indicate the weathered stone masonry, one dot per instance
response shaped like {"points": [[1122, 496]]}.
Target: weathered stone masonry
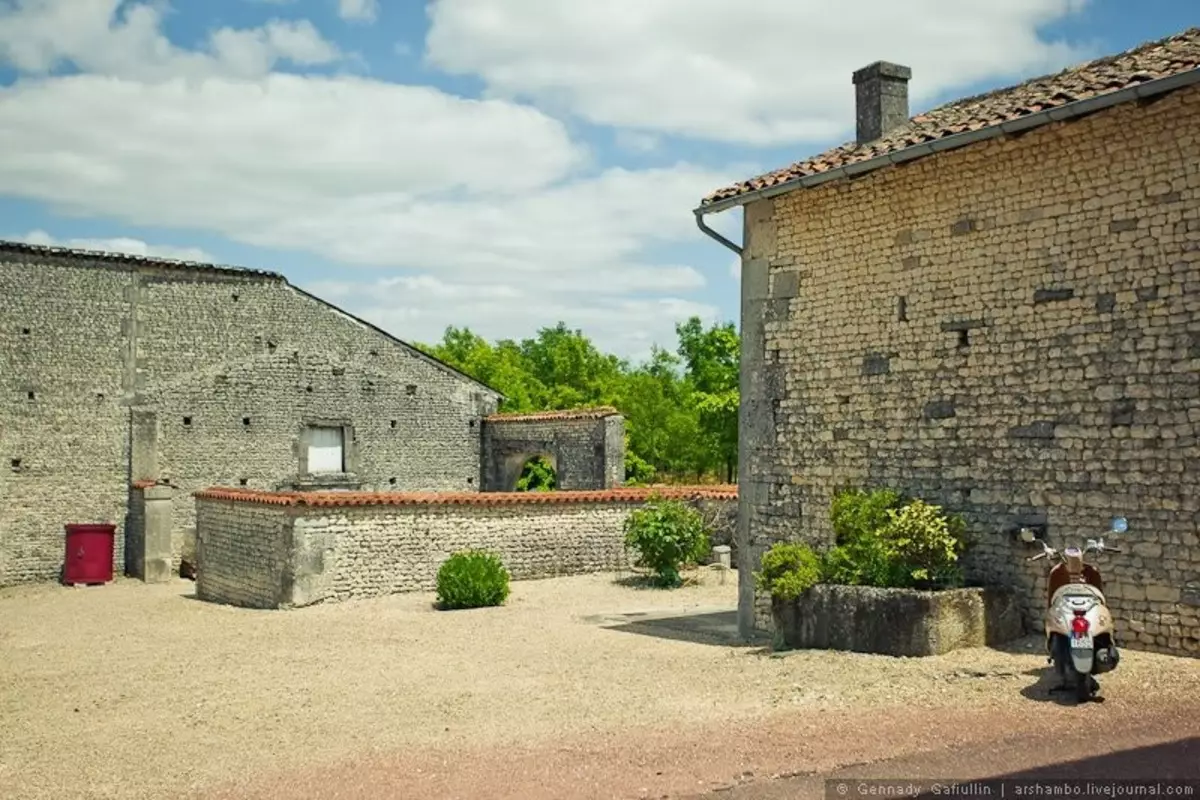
{"points": [[1011, 329], [115, 369], [585, 446], [277, 550]]}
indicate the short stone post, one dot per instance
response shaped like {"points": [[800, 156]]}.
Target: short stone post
{"points": [[157, 556], [724, 559]]}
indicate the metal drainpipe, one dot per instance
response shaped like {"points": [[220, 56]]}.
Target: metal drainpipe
{"points": [[700, 223]]}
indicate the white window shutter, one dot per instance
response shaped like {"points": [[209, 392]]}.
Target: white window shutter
{"points": [[326, 450]]}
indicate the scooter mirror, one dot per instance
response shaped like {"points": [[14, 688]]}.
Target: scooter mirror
{"points": [[1119, 525], [1027, 535]]}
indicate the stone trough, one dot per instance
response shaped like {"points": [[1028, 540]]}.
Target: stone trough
{"points": [[897, 622]]}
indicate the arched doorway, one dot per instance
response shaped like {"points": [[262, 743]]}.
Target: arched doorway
{"points": [[537, 475]]}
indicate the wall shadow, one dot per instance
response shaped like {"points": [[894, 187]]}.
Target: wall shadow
{"points": [[1169, 761], [713, 628]]}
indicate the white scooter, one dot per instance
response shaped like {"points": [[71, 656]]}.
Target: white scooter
{"points": [[1080, 636]]}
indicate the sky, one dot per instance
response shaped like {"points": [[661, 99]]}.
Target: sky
{"points": [[501, 165]]}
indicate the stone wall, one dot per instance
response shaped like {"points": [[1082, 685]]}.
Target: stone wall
{"points": [[243, 549], [1011, 330], [115, 369], [284, 549], [585, 446]]}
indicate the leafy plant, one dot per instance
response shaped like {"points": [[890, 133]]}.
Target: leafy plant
{"points": [[865, 562], [857, 514], [883, 540], [925, 543], [472, 579], [788, 570], [666, 535]]}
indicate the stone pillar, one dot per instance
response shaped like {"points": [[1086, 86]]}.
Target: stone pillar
{"points": [[756, 421], [155, 556]]}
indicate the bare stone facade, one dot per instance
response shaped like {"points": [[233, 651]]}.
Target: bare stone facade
{"points": [[116, 370], [585, 446], [279, 550], [1011, 329]]}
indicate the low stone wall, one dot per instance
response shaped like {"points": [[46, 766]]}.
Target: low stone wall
{"points": [[291, 549], [898, 622]]}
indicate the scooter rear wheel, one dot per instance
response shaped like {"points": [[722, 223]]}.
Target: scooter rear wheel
{"points": [[1082, 685]]}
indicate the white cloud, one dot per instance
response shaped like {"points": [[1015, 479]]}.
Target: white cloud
{"points": [[482, 213], [637, 142], [135, 247], [767, 72], [415, 308], [126, 41], [358, 10]]}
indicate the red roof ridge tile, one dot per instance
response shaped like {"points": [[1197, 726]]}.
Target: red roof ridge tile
{"points": [[335, 499], [1162, 58], [589, 412]]}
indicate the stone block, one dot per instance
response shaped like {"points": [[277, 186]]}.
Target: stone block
{"points": [[898, 622]]}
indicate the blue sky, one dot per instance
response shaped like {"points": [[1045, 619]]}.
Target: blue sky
{"points": [[499, 164]]}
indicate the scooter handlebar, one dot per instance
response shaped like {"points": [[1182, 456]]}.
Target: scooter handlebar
{"points": [[1108, 549], [1038, 557]]}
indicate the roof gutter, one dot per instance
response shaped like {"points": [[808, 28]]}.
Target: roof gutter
{"points": [[1072, 110]]}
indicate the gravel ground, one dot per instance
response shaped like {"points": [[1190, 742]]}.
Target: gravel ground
{"points": [[130, 691]]}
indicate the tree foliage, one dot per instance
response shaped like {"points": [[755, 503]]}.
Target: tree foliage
{"points": [[680, 408]]}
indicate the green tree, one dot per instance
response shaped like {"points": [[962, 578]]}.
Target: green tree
{"points": [[680, 408], [573, 372], [712, 359]]}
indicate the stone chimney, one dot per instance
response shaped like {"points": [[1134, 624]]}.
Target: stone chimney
{"points": [[881, 93]]}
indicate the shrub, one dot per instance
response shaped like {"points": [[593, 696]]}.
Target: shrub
{"points": [[472, 579], [666, 535], [857, 515], [886, 542], [865, 562], [925, 543], [788, 570]]}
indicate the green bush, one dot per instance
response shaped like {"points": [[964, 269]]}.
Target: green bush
{"points": [[884, 541], [788, 570], [926, 543], [472, 579], [857, 515], [666, 535]]}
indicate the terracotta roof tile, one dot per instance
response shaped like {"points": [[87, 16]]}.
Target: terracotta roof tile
{"points": [[595, 412], [343, 499], [1151, 61]]}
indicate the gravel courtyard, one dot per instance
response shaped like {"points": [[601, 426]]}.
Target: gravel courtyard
{"points": [[130, 690]]}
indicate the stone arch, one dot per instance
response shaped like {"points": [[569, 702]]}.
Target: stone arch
{"points": [[514, 464], [586, 448]]}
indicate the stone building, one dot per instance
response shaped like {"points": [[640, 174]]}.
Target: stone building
{"points": [[118, 371], [994, 305]]}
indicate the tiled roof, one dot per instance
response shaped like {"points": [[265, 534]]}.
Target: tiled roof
{"points": [[595, 412], [1160, 59], [342, 499], [45, 251]]}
